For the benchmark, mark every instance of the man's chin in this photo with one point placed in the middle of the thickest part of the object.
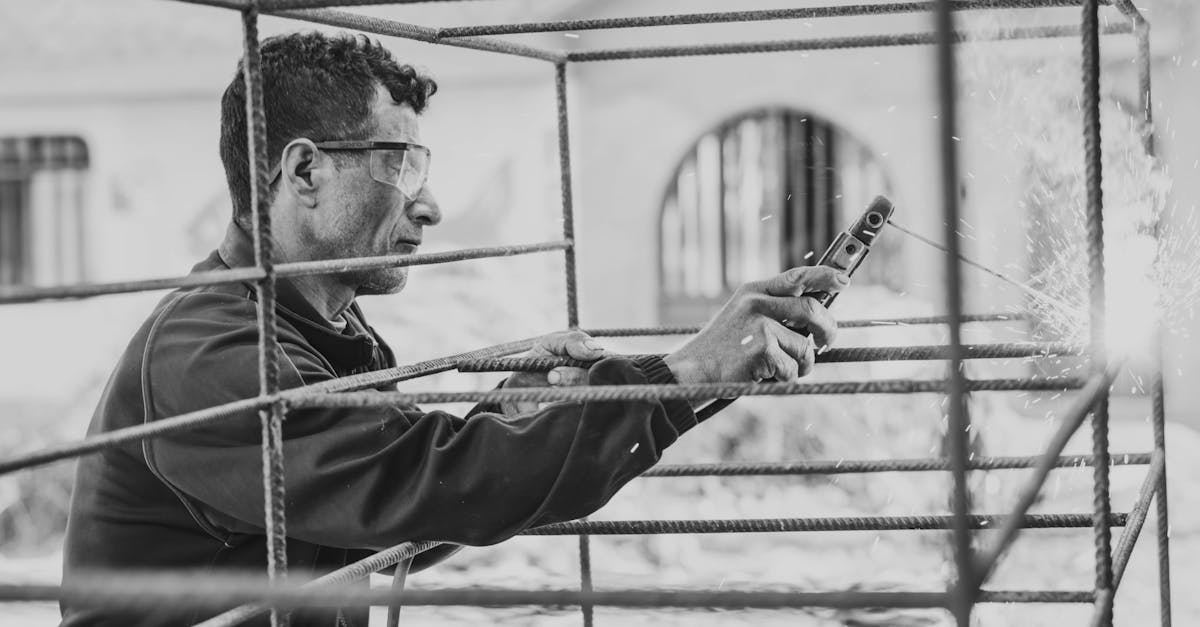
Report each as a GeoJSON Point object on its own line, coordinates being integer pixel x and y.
{"type": "Point", "coordinates": [378, 285]}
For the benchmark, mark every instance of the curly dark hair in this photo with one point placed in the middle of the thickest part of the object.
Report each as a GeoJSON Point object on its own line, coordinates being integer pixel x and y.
{"type": "Point", "coordinates": [317, 86]}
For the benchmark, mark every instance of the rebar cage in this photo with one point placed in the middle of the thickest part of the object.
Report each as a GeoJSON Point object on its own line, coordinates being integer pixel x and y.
{"type": "Point", "coordinates": [972, 568]}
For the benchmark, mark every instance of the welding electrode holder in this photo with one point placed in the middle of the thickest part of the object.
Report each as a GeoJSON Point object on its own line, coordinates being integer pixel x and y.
{"type": "Point", "coordinates": [846, 253]}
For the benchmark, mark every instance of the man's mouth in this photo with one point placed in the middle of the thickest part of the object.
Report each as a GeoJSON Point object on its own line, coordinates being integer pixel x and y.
{"type": "Point", "coordinates": [407, 247]}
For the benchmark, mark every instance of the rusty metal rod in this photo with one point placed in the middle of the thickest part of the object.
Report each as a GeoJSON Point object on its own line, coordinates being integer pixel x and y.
{"type": "Point", "coordinates": [798, 13]}
{"type": "Point", "coordinates": [842, 324]}
{"type": "Point", "coordinates": [836, 43]}
{"type": "Point", "coordinates": [1015, 350]}
{"type": "Point", "coordinates": [829, 467]}
{"type": "Point", "coordinates": [1137, 517]}
{"type": "Point", "coordinates": [987, 560]}
{"type": "Point", "coordinates": [600, 393]}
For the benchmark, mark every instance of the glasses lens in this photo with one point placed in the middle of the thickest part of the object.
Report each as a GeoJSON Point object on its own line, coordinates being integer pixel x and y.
{"type": "Point", "coordinates": [405, 170]}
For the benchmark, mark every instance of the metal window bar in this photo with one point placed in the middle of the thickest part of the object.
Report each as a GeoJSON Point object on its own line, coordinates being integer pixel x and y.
{"type": "Point", "coordinates": [959, 597]}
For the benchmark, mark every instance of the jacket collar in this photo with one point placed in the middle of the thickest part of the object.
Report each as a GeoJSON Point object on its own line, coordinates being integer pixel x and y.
{"type": "Point", "coordinates": [351, 350]}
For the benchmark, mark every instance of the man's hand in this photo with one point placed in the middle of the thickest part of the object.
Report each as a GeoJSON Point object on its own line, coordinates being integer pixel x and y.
{"type": "Point", "coordinates": [754, 335]}
{"type": "Point", "coordinates": [574, 344]}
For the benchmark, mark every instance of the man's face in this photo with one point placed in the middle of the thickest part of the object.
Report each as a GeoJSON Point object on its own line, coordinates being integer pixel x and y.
{"type": "Point", "coordinates": [364, 218]}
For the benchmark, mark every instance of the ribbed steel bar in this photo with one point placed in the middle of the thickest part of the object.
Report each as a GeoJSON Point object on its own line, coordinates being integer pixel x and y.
{"type": "Point", "coordinates": [835, 43]}
{"type": "Point", "coordinates": [799, 13]}
{"type": "Point", "coordinates": [196, 419]}
{"type": "Point", "coordinates": [112, 439]}
{"type": "Point", "coordinates": [962, 593]}
{"type": "Point", "coordinates": [27, 294]}
{"type": "Point", "coordinates": [178, 591]}
{"type": "Point", "coordinates": [336, 266]}
{"type": "Point", "coordinates": [601, 393]}
{"type": "Point", "coordinates": [16, 294]}
{"type": "Point", "coordinates": [1157, 393]}
{"type": "Point", "coordinates": [845, 523]}
{"type": "Point", "coordinates": [403, 30]}
{"type": "Point", "coordinates": [834, 355]}
{"type": "Point", "coordinates": [1036, 596]}
{"type": "Point", "coordinates": [1096, 296]}
{"type": "Point", "coordinates": [1137, 517]}
{"type": "Point", "coordinates": [986, 562]}
{"type": "Point", "coordinates": [840, 467]}
{"type": "Point", "coordinates": [341, 577]}
{"type": "Point", "coordinates": [842, 324]}
{"type": "Point", "coordinates": [1162, 522]}
{"type": "Point", "coordinates": [271, 416]}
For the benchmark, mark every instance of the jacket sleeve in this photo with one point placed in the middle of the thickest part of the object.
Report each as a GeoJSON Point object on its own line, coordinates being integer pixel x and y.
{"type": "Point", "coordinates": [373, 477]}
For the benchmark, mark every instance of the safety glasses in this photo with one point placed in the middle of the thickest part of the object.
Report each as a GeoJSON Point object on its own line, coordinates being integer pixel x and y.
{"type": "Point", "coordinates": [402, 165]}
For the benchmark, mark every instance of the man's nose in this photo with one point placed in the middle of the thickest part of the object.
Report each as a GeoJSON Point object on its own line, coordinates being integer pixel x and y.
{"type": "Point", "coordinates": [424, 209]}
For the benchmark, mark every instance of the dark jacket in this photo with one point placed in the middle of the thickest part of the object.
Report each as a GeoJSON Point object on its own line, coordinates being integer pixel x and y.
{"type": "Point", "coordinates": [357, 479]}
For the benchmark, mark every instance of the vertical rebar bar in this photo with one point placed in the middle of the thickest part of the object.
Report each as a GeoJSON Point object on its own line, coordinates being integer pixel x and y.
{"type": "Point", "coordinates": [568, 219]}
{"type": "Point", "coordinates": [268, 365]}
{"type": "Point", "coordinates": [1095, 248]}
{"type": "Point", "coordinates": [568, 201]}
{"type": "Point", "coordinates": [1157, 392]}
{"type": "Point", "coordinates": [962, 590]}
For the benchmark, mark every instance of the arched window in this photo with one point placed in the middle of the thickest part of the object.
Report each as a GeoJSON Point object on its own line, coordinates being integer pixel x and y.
{"type": "Point", "coordinates": [41, 209]}
{"type": "Point", "coordinates": [762, 192]}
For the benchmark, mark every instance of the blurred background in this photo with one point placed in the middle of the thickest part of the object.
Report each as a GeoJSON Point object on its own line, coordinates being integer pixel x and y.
{"type": "Point", "coordinates": [691, 176]}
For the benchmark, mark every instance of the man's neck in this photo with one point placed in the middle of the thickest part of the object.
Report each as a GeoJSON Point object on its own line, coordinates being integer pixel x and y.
{"type": "Point", "coordinates": [328, 296]}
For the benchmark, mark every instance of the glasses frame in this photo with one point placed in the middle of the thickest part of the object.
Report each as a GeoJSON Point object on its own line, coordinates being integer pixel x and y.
{"type": "Point", "coordinates": [363, 144]}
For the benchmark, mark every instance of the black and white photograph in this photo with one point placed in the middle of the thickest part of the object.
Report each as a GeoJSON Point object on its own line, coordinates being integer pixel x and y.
{"type": "Point", "coordinates": [608, 313]}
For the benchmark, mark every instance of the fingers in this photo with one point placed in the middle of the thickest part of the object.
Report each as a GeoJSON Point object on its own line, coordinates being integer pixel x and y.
{"type": "Point", "coordinates": [798, 348]}
{"type": "Point", "coordinates": [801, 313]}
{"type": "Point", "coordinates": [565, 376]}
{"type": "Point", "coordinates": [797, 281]}
{"type": "Point", "coordinates": [574, 344]}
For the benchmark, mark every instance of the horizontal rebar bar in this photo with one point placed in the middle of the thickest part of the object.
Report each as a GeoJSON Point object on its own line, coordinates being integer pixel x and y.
{"type": "Point", "coordinates": [1036, 596]}
{"type": "Point", "coordinates": [600, 393]}
{"type": "Point", "coordinates": [840, 523]}
{"type": "Point", "coordinates": [842, 324]}
{"type": "Point", "coordinates": [152, 591]}
{"type": "Point", "coordinates": [337, 266]}
{"type": "Point", "coordinates": [836, 43]}
{"type": "Point", "coordinates": [987, 558]}
{"type": "Point", "coordinates": [799, 13]}
{"type": "Point", "coordinates": [1137, 518]}
{"type": "Point", "coordinates": [345, 575]}
{"type": "Point", "coordinates": [839, 467]}
{"type": "Point", "coordinates": [191, 420]}
{"type": "Point", "coordinates": [16, 294]}
{"type": "Point", "coordinates": [27, 294]}
{"type": "Point", "coordinates": [403, 30]}
{"type": "Point", "coordinates": [1017, 350]}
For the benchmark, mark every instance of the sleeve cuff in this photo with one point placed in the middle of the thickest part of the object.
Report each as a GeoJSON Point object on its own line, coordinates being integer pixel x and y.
{"type": "Point", "coordinates": [679, 411]}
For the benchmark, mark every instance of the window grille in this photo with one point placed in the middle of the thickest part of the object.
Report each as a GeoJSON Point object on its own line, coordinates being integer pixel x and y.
{"type": "Point", "coordinates": [42, 182]}
{"type": "Point", "coordinates": [762, 192]}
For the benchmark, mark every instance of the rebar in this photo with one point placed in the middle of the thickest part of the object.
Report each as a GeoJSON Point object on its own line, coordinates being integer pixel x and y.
{"type": "Point", "coordinates": [1095, 254]}
{"type": "Point", "coordinates": [846, 523]}
{"type": "Point", "coordinates": [835, 43]}
{"type": "Point", "coordinates": [341, 577]}
{"type": "Point", "coordinates": [601, 393]}
{"type": "Point", "coordinates": [842, 324]}
{"type": "Point", "coordinates": [199, 418]}
{"type": "Point", "coordinates": [961, 593]}
{"type": "Point", "coordinates": [1014, 350]}
{"type": "Point", "coordinates": [272, 415]}
{"type": "Point", "coordinates": [799, 13]}
{"type": "Point", "coordinates": [26, 294]}
{"type": "Point", "coordinates": [839, 467]}
{"type": "Point", "coordinates": [985, 563]}
{"type": "Point", "coordinates": [1137, 517]}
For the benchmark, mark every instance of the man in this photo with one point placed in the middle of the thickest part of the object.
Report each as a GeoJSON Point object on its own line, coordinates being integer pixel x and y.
{"type": "Point", "coordinates": [349, 180]}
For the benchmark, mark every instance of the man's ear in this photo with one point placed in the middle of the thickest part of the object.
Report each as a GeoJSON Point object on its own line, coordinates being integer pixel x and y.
{"type": "Point", "coordinates": [300, 159]}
